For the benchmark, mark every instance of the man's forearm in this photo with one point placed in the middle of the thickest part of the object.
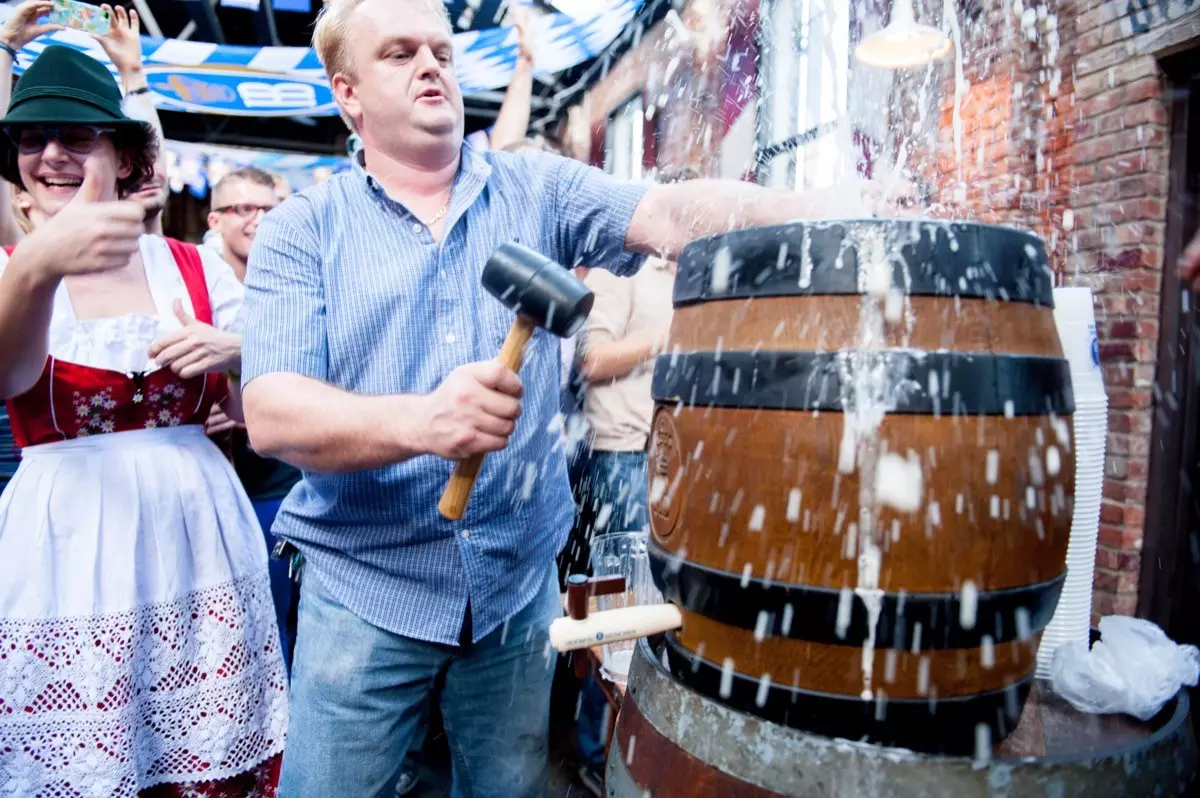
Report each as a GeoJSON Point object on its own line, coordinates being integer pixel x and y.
{"type": "Point", "coordinates": [615, 359]}
{"type": "Point", "coordinates": [670, 217]}
{"type": "Point", "coordinates": [316, 427]}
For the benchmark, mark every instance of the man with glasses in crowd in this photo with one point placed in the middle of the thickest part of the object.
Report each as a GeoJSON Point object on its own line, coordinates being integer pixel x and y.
{"type": "Point", "coordinates": [239, 201]}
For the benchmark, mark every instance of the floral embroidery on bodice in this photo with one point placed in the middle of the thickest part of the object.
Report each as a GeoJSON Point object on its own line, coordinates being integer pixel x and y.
{"type": "Point", "coordinates": [71, 400]}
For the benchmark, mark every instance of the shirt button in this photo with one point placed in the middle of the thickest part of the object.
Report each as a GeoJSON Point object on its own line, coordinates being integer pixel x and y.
{"type": "Point", "coordinates": [466, 534]}
{"type": "Point", "coordinates": [450, 338]}
{"type": "Point", "coordinates": [416, 227]}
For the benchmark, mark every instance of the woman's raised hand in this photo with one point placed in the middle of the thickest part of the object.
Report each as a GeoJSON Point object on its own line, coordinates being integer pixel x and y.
{"type": "Point", "coordinates": [22, 26]}
{"type": "Point", "coordinates": [88, 235]}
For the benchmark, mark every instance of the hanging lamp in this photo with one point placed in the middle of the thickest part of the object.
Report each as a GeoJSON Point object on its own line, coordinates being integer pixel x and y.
{"type": "Point", "coordinates": [904, 42]}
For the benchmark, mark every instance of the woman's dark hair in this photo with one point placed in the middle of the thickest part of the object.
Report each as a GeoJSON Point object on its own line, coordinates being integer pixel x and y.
{"type": "Point", "coordinates": [139, 141]}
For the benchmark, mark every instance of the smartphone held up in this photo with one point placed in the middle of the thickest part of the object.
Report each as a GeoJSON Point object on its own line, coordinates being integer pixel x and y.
{"type": "Point", "coordinates": [81, 16]}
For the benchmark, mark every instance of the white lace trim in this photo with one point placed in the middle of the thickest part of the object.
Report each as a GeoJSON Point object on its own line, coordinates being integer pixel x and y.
{"type": "Point", "coordinates": [120, 343]}
{"type": "Point", "coordinates": [183, 691]}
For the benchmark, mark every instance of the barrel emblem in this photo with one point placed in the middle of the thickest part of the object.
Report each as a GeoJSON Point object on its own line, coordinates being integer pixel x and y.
{"type": "Point", "coordinates": [666, 466]}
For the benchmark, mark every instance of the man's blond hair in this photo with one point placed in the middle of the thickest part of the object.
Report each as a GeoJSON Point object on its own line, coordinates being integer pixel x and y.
{"type": "Point", "coordinates": [332, 33]}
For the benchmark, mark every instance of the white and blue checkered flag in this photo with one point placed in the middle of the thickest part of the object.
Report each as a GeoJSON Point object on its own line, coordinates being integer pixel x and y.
{"type": "Point", "coordinates": [288, 81]}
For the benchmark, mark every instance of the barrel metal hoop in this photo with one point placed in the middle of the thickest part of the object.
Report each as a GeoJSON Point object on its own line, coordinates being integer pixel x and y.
{"type": "Point", "coordinates": [805, 612]}
{"type": "Point", "coordinates": [919, 383]}
{"type": "Point", "coordinates": [959, 260]}
{"type": "Point", "coordinates": [937, 725]}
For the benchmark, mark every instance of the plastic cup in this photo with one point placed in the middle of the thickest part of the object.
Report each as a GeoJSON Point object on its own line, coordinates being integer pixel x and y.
{"type": "Point", "coordinates": [623, 554]}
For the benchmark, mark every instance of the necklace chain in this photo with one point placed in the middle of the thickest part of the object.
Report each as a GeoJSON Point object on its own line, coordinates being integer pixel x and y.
{"type": "Point", "coordinates": [439, 215]}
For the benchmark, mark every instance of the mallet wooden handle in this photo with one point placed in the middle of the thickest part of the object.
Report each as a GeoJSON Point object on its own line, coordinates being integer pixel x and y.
{"type": "Point", "coordinates": [458, 489]}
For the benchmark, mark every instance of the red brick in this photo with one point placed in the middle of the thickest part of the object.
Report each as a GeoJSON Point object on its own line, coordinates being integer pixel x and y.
{"type": "Point", "coordinates": [1107, 558]}
{"type": "Point", "coordinates": [1118, 537]}
{"type": "Point", "coordinates": [1125, 604]}
{"type": "Point", "coordinates": [1116, 467]}
{"type": "Point", "coordinates": [1127, 582]}
{"type": "Point", "coordinates": [1129, 562]}
{"type": "Point", "coordinates": [1143, 89]}
{"type": "Point", "coordinates": [1102, 103]}
{"type": "Point", "coordinates": [1102, 604]}
{"type": "Point", "coordinates": [1137, 468]}
{"type": "Point", "coordinates": [1116, 350]}
{"type": "Point", "coordinates": [1135, 282]}
{"type": "Point", "coordinates": [1102, 58]}
{"type": "Point", "coordinates": [1124, 329]}
{"type": "Point", "coordinates": [1106, 581]}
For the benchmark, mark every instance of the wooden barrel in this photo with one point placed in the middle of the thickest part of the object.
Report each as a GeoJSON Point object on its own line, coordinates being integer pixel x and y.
{"type": "Point", "coordinates": [861, 476]}
{"type": "Point", "coordinates": [671, 741]}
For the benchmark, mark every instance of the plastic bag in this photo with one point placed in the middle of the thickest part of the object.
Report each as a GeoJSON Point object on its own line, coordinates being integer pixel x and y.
{"type": "Point", "coordinates": [1134, 668]}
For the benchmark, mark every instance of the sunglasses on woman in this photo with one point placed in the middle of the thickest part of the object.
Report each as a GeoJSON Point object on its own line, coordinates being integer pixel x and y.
{"type": "Point", "coordinates": [77, 139]}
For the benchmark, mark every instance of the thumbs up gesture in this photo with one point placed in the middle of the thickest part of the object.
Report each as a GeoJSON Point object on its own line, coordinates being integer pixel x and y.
{"type": "Point", "coordinates": [196, 348]}
{"type": "Point", "coordinates": [89, 234]}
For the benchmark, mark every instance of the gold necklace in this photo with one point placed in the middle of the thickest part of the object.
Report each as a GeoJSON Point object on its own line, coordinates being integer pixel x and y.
{"type": "Point", "coordinates": [440, 214]}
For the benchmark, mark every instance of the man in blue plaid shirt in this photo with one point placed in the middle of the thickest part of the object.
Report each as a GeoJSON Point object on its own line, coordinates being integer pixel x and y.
{"type": "Point", "coordinates": [369, 364]}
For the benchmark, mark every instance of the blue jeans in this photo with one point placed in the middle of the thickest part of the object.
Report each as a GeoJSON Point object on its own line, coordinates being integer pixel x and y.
{"type": "Point", "coordinates": [358, 694]}
{"type": "Point", "coordinates": [283, 589]}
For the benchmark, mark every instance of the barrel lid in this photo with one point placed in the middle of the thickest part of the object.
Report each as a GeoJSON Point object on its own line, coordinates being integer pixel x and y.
{"type": "Point", "coordinates": [926, 258]}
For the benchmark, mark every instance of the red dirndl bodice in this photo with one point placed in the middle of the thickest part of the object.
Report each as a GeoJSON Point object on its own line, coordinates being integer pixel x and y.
{"type": "Point", "coordinates": [71, 400]}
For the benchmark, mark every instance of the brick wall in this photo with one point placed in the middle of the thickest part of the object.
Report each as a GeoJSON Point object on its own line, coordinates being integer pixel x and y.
{"type": "Point", "coordinates": [1120, 171]}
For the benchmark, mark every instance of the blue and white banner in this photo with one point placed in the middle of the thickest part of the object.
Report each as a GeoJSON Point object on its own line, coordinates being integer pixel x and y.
{"type": "Point", "coordinates": [194, 167]}
{"type": "Point", "coordinates": [289, 81]}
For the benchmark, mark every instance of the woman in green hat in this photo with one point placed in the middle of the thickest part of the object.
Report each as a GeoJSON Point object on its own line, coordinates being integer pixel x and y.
{"type": "Point", "coordinates": [139, 652]}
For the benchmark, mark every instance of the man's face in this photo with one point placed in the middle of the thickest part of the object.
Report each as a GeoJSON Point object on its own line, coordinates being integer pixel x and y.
{"type": "Point", "coordinates": [405, 93]}
{"type": "Point", "coordinates": [237, 210]}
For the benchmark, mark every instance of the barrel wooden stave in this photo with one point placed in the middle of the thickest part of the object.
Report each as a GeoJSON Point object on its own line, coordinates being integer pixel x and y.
{"type": "Point", "coordinates": [836, 669]}
{"type": "Point", "coordinates": [752, 459]}
{"type": "Point", "coordinates": [831, 323]}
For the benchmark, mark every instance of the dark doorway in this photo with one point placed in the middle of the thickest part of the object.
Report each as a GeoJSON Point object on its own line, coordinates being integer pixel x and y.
{"type": "Point", "coordinates": [1170, 579]}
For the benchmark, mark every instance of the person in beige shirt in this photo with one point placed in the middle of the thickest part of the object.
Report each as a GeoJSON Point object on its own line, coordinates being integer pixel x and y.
{"type": "Point", "coordinates": [628, 326]}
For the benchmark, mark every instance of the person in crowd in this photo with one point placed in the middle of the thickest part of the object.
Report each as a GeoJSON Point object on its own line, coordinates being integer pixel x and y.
{"type": "Point", "coordinates": [283, 189]}
{"type": "Point", "coordinates": [239, 201]}
{"type": "Point", "coordinates": [140, 645]}
{"type": "Point", "coordinates": [370, 364]}
{"type": "Point", "coordinates": [124, 48]}
{"type": "Point", "coordinates": [627, 327]}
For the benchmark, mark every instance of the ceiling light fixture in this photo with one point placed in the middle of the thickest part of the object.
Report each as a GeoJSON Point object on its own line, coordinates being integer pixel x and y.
{"type": "Point", "coordinates": [904, 42]}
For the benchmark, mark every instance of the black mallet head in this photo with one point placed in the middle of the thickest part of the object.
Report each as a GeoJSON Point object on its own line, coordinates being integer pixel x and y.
{"type": "Point", "coordinates": [542, 290]}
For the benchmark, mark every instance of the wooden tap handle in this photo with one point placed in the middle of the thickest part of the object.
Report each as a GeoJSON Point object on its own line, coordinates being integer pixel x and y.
{"type": "Point", "coordinates": [606, 585]}
{"type": "Point", "coordinates": [458, 489]}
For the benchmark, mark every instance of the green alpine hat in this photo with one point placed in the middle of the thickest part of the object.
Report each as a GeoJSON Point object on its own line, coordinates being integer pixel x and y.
{"type": "Point", "coordinates": [64, 86]}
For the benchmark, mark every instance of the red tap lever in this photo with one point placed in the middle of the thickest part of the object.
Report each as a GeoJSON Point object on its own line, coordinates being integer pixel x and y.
{"type": "Point", "coordinates": [579, 589]}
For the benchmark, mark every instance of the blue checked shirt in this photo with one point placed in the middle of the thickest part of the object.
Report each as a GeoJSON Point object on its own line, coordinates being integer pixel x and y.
{"type": "Point", "coordinates": [346, 286]}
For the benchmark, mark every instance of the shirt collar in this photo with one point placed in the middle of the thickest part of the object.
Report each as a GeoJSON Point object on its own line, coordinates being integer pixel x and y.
{"type": "Point", "coordinates": [472, 164]}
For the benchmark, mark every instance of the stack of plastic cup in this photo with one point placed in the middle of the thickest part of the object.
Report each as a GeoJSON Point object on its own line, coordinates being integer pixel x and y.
{"type": "Point", "coordinates": [1076, 321]}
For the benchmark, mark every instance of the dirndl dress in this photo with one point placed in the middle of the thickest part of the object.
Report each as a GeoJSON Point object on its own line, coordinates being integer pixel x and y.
{"type": "Point", "coordinates": [139, 653]}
